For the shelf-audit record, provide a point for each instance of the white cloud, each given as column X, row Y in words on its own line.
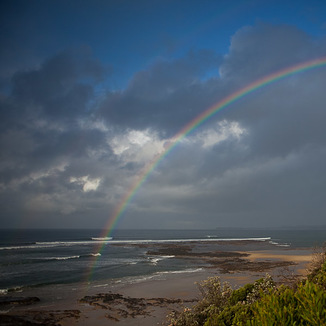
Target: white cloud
column 88, row 184
column 138, row 146
column 224, row 130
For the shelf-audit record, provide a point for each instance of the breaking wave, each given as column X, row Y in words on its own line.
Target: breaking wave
column 156, row 259
column 209, row 239
column 72, row 257
column 102, row 239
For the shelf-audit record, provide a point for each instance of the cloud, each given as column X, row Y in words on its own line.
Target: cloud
column 224, row 130
column 86, row 183
column 68, row 155
column 60, row 88
column 47, row 131
column 165, row 96
column 265, row 175
column 134, row 146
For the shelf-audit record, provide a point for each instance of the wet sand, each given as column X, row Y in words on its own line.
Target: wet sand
column 148, row 301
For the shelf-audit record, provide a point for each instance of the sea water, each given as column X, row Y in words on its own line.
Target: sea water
column 35, row 258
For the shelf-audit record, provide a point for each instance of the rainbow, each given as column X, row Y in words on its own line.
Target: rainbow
column 192, row 125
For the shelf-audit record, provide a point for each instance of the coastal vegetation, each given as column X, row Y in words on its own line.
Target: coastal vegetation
column 263, row 302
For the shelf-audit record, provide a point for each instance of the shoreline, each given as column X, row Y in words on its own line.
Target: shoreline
column 148, row 300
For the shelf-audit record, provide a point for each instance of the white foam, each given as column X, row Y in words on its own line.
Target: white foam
column 242, row 239
column 70, row 257
column 156, row 276
column 51, row 244
column 156, row 259
column 129, row 261
column 100, row 285
column 66, row 243
column 142, row 279
column 109, row 240
column 62, row 258
column 21, row 247
column 15, row 289
column 279, row 244
column 187, row 240
column 190, row 270
column 96, row 255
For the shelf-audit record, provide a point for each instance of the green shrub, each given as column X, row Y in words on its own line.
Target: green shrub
column 214, row 293
column 317, row 262
column 305, row 306
column 215, row 297
column 278, row 308
column 185, row 318
column 261, row 287
column 240, row 295
column 238, row 311
column 260, row 303
column 237, row 314
column 319, row 276
column 312, row 303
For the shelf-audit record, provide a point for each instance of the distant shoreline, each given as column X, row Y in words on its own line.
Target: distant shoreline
column 245, row 228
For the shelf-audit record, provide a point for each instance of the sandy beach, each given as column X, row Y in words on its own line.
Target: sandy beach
column 149, row 300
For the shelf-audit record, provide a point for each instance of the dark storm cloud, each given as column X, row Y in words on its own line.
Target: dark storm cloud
column 70, row 150
column 258, row 50
column 40, row 117
column 52, row 150
column 60, row 89
column 289, row 114
column 166, row 96
column 171, row 93
column 274, row 174
column 236, row 190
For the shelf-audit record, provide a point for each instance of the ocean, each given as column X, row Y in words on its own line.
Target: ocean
column 36, row 258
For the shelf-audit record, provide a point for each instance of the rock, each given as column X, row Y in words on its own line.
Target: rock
column 5, row 301
column 15, row 321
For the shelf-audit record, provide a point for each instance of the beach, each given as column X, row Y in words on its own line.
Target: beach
column 148, row 300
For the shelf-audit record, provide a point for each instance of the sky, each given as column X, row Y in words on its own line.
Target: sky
column 93, row 92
